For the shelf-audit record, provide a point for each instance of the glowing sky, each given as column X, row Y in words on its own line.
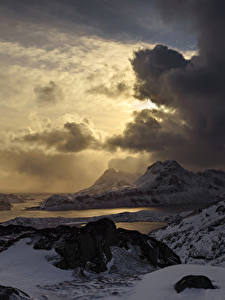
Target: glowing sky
column 67, row 86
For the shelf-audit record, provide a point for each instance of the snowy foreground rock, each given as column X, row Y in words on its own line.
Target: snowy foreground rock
column 159, row 285
column 31, row 258
column 89, row 247
column 99, row 261
column 198, row 238
column 163, row 183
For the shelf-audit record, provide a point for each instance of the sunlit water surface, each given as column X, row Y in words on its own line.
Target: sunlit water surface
column 19, row 210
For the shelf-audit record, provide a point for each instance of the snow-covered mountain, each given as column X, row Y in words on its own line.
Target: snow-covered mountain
column 163, row 183
column 111, row 180
column 200, row 237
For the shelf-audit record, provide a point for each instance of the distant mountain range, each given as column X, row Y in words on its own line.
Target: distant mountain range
column 163, row 183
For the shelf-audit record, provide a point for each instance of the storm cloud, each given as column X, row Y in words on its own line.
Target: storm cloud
column 112, row 19
column 193, row 89
column 73, row 137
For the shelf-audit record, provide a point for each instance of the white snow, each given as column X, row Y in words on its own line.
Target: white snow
column 25, row 268
column 158, row 285
column 198, row 238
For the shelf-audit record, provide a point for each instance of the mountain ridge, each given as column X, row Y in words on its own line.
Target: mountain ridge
column 163, row 183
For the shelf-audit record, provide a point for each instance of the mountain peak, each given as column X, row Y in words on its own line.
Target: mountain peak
column 160, row 172
column 164, row 165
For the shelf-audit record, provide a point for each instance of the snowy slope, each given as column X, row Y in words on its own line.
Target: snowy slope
column 25, row 268
column 199, row 238
column 158, row 285
column 110, row 180
column 29, row 270
column 164, row 183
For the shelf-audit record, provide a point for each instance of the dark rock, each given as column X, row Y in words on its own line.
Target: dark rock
column 7, row 293
column 89, row 247
column 155, row 252
column 193, row 281
column 220, row 209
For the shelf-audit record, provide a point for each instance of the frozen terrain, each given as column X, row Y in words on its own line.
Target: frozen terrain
column 29, row 270
column 163, row 183
column 200, row 237
column 159, row 285
column 96, row 261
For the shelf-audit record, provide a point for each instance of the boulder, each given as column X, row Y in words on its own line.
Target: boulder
column 10, row 293
column 155, row 252
column 193, row 281
column 89, row 247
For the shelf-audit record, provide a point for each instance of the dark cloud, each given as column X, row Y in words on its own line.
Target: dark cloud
column 73, row 137
column 48, row 94
column 146, row 133
column 194, row 89
column 35, row 171
column 150, row 66
column 114, row 19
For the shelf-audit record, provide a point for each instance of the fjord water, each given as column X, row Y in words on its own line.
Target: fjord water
column 20, row 210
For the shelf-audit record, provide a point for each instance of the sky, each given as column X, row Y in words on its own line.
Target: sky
column 91, row 84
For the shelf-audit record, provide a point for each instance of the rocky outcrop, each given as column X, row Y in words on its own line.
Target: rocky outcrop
column 193, row 281
column 90, row 247
column 10, row 293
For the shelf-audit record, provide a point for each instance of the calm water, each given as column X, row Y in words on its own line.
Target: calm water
column 19, row 210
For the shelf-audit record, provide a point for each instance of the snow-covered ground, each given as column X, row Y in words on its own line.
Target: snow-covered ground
column 199, row 238
column 159, row 285
column 29, row 270
column 25, row 268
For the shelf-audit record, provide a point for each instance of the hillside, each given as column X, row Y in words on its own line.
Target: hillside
column 199, row 238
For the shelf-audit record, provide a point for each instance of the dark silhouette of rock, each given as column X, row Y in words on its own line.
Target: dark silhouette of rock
column 8, row 293
column 193, row 281
column 155, row 252
column 89, row 247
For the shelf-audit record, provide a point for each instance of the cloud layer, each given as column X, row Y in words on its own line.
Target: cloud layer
column 193, row 89
column 73, row 137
